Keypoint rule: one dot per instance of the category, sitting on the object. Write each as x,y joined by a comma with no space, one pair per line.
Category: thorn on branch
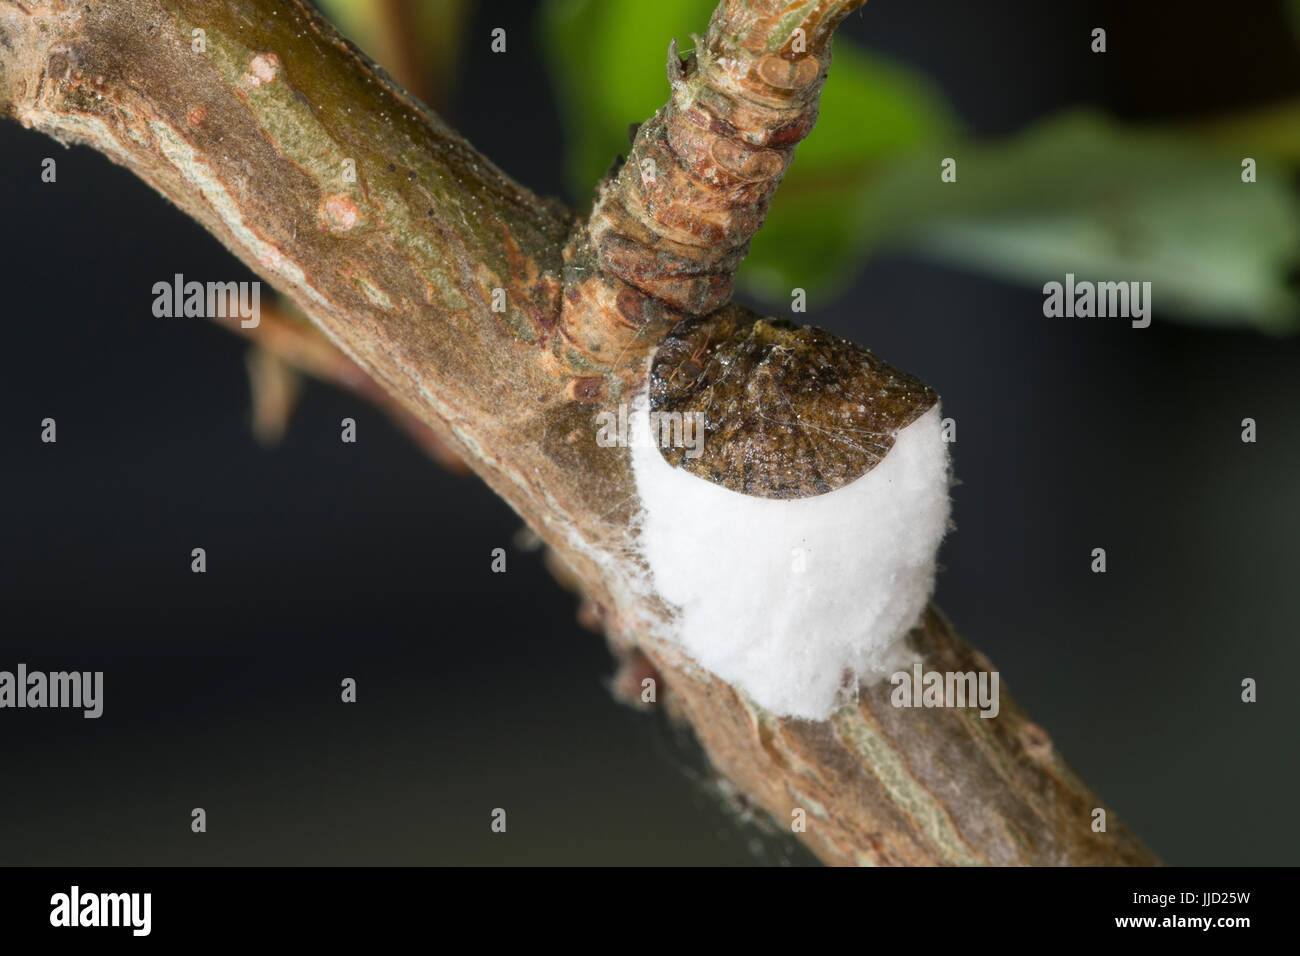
674,63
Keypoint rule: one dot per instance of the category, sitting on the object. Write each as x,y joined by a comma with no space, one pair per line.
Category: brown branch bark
401,269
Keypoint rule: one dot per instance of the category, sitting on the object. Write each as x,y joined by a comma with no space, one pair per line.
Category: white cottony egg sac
795,601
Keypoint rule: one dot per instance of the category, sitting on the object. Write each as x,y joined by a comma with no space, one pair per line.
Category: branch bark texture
251,124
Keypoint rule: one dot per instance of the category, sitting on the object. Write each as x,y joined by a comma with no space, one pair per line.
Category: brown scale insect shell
598,323
665,194
588,389
624,223
788,75
756,120
739,81
716,232
749,165
788,412
713,167
683,283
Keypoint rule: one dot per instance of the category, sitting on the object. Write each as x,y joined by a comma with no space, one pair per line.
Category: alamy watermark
214,300
1125,300
667,430
82,690
129,910
946,689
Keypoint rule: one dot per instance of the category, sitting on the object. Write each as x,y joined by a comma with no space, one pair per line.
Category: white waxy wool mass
795,601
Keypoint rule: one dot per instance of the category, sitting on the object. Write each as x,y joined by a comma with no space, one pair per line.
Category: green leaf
1078,193
815,233
609,60
417,44
1083,194
1270,132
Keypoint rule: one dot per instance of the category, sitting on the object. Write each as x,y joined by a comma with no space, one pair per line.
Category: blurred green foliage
416,41
1077,193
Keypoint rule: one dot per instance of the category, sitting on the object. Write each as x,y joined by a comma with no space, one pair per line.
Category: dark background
477,690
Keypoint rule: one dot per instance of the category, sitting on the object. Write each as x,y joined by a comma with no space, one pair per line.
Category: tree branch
251,133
